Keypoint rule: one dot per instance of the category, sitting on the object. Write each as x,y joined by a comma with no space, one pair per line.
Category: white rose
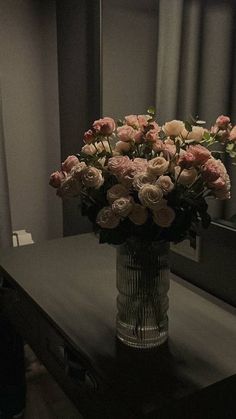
164,216
150,195
116,191
187,176
92,177
122,206
157,166
195,135
103,146
138,214
88,149
107,219
122,147
142,179
174,127
165,184
77,170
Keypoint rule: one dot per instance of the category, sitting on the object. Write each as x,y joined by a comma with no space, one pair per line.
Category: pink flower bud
70,162
56,179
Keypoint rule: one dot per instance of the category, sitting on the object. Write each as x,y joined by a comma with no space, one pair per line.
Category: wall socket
187,249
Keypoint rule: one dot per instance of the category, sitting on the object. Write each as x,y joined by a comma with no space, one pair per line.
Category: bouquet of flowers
139,179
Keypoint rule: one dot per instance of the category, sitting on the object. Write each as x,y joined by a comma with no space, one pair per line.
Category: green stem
108,140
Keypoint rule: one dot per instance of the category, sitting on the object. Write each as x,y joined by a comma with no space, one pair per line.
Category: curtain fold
196,63
168,57
5,215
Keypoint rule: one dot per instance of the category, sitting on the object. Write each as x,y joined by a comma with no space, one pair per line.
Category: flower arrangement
139,179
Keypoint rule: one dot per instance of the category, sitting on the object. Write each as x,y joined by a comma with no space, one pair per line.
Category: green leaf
206,136
188,126
230,147
119,123
151,111
178,146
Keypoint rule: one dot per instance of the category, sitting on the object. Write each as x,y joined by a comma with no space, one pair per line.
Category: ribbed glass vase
142,302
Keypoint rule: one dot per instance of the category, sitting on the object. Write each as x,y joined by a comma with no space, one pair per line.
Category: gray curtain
196,65
5,215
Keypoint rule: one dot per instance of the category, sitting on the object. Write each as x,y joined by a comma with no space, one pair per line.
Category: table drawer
68,364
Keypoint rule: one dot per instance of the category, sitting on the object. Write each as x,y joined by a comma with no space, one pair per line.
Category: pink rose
138,215
222,135
211,170
115,192
196,155
138,137
152,135
218,184
88,136
221,187
169,150
143,120
157,146
222,122
200,154
107,219
118,164
69,163
69,188
164,216
232,135
56,179
132,120
140,164
154,125
125,133
104,126
186,160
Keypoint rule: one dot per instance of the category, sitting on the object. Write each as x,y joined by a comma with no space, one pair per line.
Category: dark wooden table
60,296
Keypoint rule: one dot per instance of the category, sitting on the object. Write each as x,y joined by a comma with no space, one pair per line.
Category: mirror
179,56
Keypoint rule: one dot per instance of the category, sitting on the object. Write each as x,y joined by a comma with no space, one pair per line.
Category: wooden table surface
71,282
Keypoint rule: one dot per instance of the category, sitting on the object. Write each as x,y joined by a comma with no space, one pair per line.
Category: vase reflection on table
143,186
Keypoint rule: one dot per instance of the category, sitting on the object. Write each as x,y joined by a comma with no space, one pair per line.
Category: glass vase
142,302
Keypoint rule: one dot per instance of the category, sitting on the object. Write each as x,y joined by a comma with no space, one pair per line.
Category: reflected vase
142,274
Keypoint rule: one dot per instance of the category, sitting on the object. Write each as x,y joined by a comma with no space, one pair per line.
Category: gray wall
28,72
129,56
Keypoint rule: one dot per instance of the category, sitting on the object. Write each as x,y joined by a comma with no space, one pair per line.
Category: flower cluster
138,178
